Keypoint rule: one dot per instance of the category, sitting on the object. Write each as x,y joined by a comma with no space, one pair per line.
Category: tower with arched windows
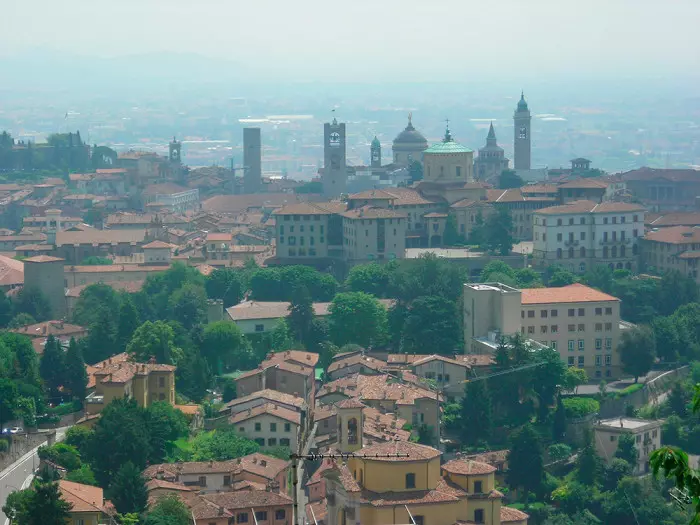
350,422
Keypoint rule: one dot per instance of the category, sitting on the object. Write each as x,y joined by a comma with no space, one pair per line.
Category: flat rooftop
627,423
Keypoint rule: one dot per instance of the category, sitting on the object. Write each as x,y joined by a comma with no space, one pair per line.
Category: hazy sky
361,39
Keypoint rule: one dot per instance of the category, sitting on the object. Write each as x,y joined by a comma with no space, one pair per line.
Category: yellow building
118,376
88,505
384,482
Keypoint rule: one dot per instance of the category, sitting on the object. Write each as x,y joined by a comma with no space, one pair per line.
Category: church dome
375,142
410,135
522,105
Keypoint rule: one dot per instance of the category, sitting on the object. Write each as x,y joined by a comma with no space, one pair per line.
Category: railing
571,243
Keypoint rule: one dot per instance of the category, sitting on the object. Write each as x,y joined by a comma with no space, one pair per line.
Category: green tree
41,504
93,301
6,310
301,315
573,497
415,169
189,305
626,449
96,261
8,400
193,375
528,278
154,340
169,510
613,473
165,424
525,462
121,430
477,233
129,321
76,378
221,445
226,284
357,317
673,433
476,413
16,507
637,349
83,475
678,400
498,232
559,422
78,437
32,301
53,366
588,465
372,278
671,342
510,179
127,489
432,326
496,268
562,278
451,236
599,277
101,341
224,346
21,320
675,290
62,454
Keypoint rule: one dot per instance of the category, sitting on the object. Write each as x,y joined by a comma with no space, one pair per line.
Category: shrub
4,445
64,455
577,407
630,390
559,451
65,408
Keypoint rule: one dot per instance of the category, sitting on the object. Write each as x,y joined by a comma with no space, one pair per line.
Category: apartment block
646,433
672,248
583,234
582,324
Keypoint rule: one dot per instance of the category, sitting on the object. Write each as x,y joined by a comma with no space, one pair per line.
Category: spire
522,105
448,136
410,127
375,142
492,133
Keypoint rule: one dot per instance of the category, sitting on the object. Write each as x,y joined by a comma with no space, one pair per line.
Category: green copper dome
522,105
448,145
375,142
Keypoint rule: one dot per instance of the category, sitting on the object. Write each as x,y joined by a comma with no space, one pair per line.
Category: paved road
19,475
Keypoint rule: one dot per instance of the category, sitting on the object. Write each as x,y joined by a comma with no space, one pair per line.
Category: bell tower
349,423
174,151
335,174
375,153
521,140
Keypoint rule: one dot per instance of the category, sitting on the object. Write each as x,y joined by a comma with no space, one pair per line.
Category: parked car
16,430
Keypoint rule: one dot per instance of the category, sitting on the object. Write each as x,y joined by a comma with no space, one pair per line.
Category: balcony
615,241
570,243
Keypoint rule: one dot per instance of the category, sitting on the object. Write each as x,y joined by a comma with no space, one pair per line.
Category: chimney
211,463
263,463
255,461
622,425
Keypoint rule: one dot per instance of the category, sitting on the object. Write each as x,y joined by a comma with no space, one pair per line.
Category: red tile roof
83,498
584,183
269,409
399,451
675,235
674,175
466,467
585,206
573,293
509,514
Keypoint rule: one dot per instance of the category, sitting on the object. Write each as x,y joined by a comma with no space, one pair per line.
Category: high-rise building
335,174
521,141
252,174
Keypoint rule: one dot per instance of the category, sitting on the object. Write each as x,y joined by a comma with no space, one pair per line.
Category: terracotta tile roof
169,485
373,212
145,218
218,236
166,188
247,310
241,203
408,196
372,195
317,476
404,359
476,359
247,499
674,175
126,286
262,465
412,451
94,236
510,195
55,328
311,208
467,467
376,387
442,358
495,458
157,244
573,293
269,409
509,514
674,235
112,268
317,511
11,271
464,203
434,215
585,206
658,220
539,188
124,371
84,498
42,259
295,356
272,395
358,359
349,403
189,410
443,493
584,183
245,484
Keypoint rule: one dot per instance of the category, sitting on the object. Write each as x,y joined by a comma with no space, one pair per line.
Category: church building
491,160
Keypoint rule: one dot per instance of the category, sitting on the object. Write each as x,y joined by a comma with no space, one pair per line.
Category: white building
584,234
647,438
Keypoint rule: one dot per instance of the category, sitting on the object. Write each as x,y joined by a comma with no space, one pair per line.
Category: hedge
577,407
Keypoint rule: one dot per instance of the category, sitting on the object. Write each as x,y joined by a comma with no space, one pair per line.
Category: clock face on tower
334,139
522,133
375,156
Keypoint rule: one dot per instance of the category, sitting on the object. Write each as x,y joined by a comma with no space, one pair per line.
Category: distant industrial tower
522,146
252,171
375,154
334,169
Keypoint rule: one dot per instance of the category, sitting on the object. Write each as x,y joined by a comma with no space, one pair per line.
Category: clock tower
334,178
521,140
375,154
174,150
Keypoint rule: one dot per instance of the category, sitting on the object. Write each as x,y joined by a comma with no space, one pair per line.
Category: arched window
622,250
558,253
582,267
605,252
614,251
352,431
583,251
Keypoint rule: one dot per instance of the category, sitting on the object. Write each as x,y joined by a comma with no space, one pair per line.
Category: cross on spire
448,136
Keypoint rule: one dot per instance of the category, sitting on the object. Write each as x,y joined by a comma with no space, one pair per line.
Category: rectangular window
242,517
531,313
258,427
543,329
259,328
571,345
581,312
598,360
202,481
571,361
553,345
608,327
572,328
273,427
555,328
608,360
260,441
161,382
599,311
284,442
478,515
583,236
554,313
261,515
227,480
280,514
598,344
543,313
530,329
580,361
272,442
559,236
608,342
410,480
599,327
582,328
581,345
608,310
478,488
287,427
572,312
